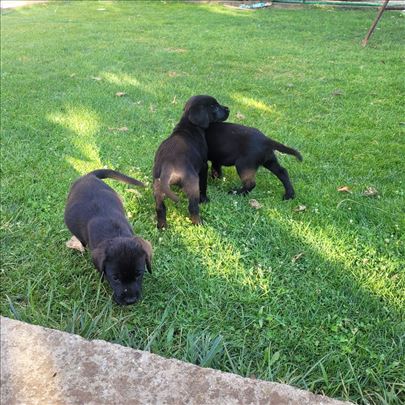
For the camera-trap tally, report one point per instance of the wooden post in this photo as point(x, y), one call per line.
point(375, 22)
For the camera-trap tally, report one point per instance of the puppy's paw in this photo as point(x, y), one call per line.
point(216, 174)
point(288, 196)
point(161, 225)
point(196, 220)
point(204, 199)
point(74, 243)
point(239, 191)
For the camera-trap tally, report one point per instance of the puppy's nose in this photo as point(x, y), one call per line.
point(130, 300)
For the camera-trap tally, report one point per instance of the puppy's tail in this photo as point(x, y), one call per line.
point(285, 149)
point(113, 174)
point(162, 186)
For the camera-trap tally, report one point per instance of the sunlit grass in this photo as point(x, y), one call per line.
point(83, 125)
point(353, 257)
point(81, 121)
point(255, 104)
point(120, 79)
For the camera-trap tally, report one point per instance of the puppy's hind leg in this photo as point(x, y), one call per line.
point(247, 174)
point(160, 205)
point(192, 190)
point(282, 174)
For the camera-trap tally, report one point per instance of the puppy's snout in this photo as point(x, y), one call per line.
point(127, 299)
point(130, 300)
point(131, 295)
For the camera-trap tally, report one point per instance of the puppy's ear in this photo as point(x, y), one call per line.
point(147, 247)
point(198, 115)
point(99, 255)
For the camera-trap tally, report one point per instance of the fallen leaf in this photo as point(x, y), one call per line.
point(337, 92)
point(240, 116)
point(173, 74)
point(120, 94)
point(72, 75)
point(101, 9)
point(96, 78)
point(174, 101)
point(74, 243)
point(370, 192)
point(297, 257)
point(344, 189)
point(290, 85)
point(255, 204)
point(300, 208)
point(152, 108)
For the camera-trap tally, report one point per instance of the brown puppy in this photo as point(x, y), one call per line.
point(182, 158)
point(95, 215)
point(247, 149)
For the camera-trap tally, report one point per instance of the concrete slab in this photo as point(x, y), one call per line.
point(45, 366)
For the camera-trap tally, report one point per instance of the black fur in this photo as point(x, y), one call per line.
point(247, 149)
point(95, 215)
point(182, 158)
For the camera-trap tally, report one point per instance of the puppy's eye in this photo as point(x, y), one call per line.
point(115, 278)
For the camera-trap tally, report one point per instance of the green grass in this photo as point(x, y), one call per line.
point(226, 295)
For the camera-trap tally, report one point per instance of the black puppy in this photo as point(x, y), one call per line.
point(246, 148)
point(95, 215)
point(182, 158)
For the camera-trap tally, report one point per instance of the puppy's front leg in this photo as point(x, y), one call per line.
point(203, 183)
point(216, 171)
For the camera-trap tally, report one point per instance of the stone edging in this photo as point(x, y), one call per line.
point(46, 366)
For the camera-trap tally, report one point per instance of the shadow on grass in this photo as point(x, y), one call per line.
point(275, 315)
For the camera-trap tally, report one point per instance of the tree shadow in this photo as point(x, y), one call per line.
point(278, 302)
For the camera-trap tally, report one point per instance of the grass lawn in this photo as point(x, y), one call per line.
point(312, 298)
